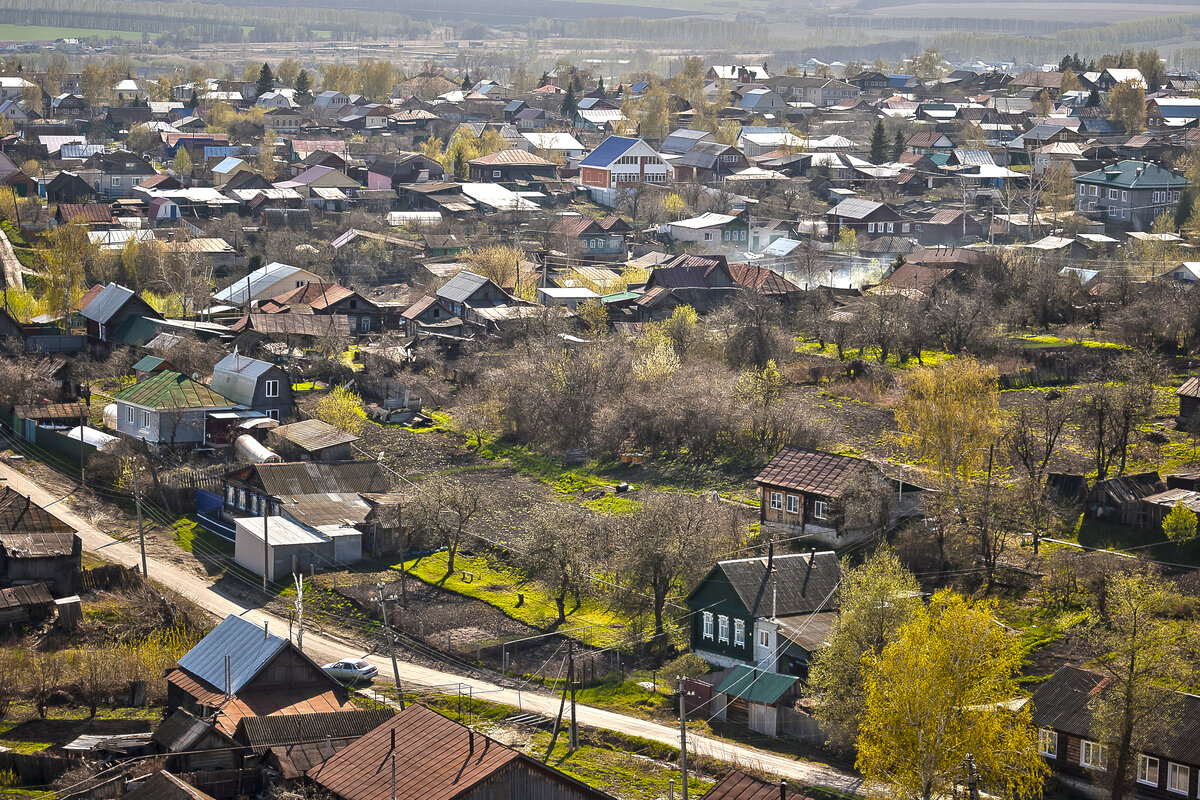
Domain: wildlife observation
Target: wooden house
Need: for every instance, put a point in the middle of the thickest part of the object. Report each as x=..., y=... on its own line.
x=240, y=669
x=1189, y=401
x=23, y=605
x=769, y=612
x=1120, y=499
x=1167, y=765
x=36, y=546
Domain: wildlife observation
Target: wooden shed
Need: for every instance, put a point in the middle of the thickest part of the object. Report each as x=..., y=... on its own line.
x=22, y=605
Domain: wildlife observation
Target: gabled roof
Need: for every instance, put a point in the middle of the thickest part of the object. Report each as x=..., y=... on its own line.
x=236, y=377
x=312, y=435
x=307, y=477
x=171, y=390
x=259, y=733
x=609, y=151
x=249, y=647
x=511, y=158
x=460, y=288
x=91, y=213
x=29, y=531
x=812, y=471
x=107, y=303
x=262, y=278
x=788, y=588
x=165, y=786
x=435, y=758
x=737, y=785
x=761, y=279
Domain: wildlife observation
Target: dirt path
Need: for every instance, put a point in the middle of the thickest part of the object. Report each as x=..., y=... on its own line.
x=324, y=648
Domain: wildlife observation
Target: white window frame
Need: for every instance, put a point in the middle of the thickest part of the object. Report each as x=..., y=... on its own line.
x=1112, y=194
x=1048, y=742
x=1143, y=773
x=870, y=227
x=129, y=414
x=764, y=638
x=777, y=501
x=114, y=182
x=145, y=419
x=708, y=625
x=1094, y=191
x=364, y=324
x=1125, y=195
x=241, y=499
x=1173, y=772
x=723, y=629
x=793, y=504
x=1091, y=755
x=497, y=173
x=820, y=509
x=272, y=388
x=273, y=413
x=739, y=633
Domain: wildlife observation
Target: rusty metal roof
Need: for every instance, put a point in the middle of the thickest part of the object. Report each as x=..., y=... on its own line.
x=306, y=477
x=65, y=411
x=811, y=471
x=737, y=785
x=435, y=758
x=260, y=733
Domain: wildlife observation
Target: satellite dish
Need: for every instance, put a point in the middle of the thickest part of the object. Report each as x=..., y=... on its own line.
x=195, y=376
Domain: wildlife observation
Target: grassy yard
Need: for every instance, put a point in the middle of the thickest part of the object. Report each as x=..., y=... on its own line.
x=70, y=720
x=499, y=586
x=189, y=534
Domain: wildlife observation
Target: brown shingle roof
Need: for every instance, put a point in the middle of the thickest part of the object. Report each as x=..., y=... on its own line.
x=813, y=471
x=317, y=295
x=435, y=758
x=572, y=227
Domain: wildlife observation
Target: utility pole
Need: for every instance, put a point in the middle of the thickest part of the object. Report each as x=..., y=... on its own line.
x=972, y=779
x=683, y=768
x=557, y=723
x=137, y=498
x=571, y=679
x=391, y=639
x=299, y=578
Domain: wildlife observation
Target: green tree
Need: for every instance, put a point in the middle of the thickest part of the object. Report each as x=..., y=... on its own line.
x=1127, y=100
x=1180, y=524
x=569, y=104
x=183, y=162
x=875, y=601
x=1145, y=657
x=937, y=696
x=847, y=241
x=303, y=87
x=898, y=145
x=1093, y=98
x=266, y=80
x=878, y=144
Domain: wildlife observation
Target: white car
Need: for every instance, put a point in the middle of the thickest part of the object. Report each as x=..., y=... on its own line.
x=351, y=671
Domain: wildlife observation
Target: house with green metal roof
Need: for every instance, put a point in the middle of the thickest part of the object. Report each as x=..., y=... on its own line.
x=168, y=408
x=1128, y=195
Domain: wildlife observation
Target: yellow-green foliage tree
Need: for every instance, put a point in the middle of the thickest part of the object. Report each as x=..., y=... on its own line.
x=939, y=694
x=1127, y=101
x=875, y=600
x=1180, y=524
x=63, y=258
x=342, y=408
x=499, y=262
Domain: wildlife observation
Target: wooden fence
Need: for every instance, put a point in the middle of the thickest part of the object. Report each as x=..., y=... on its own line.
x=227, y=783
x=35, y=769
x=110, y=576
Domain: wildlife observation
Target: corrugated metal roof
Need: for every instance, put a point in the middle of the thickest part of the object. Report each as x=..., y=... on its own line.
x=180, y=731
x=104, y=305
x=52, y=411
x=261, y=279
x=300, y=478
x=435, y=758
x=737, y=785
x=514, y=157
x=259, y=733
x=756, y=685
x=460, y=288
x=787, y=589
x=295, y=324
x=236, y=377
x=312, y=435
x=609, y=151
x=169, y=389
x=249, y=649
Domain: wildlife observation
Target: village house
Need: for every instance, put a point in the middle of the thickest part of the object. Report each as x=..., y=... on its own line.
x=1128, y=194
x=621, y=161
x=111, y=309
x=36, y=546
x=257, y=385
x=865, y=218
x=602, y=240
x=769, y=612
x=168, y=409
x=804, y=491
x=507, y=166
x=243, y=670
x=271, y=280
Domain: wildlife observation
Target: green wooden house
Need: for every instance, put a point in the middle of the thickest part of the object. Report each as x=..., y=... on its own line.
x=769, y=612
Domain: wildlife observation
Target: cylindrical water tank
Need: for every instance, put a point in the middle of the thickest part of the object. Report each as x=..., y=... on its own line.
x=250, y=449
x=109, y=416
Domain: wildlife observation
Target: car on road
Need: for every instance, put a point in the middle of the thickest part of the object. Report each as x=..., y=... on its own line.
x=351, y=671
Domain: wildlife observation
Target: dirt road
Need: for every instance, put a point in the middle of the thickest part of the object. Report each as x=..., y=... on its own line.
x=323, y=649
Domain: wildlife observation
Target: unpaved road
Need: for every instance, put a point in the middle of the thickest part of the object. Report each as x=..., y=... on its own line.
x=324, y=648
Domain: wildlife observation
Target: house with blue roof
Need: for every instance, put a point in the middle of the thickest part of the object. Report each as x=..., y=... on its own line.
x=227, y=168
x=241, y=669
x=1128, y=195
x=621, y=162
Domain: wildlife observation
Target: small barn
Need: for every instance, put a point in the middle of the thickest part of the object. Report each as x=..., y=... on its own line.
x=754, y=698
x=1189, y=401
x=36, y=546
x=1120, y=499
x=22, y=605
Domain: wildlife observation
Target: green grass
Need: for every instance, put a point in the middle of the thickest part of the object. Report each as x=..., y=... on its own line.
x=1046, y=340
x=928, y=357
x=614, y=505
x=499, y=586
x=629, y=698
x=188, y=534
x=624, y=773
x=37, y=33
